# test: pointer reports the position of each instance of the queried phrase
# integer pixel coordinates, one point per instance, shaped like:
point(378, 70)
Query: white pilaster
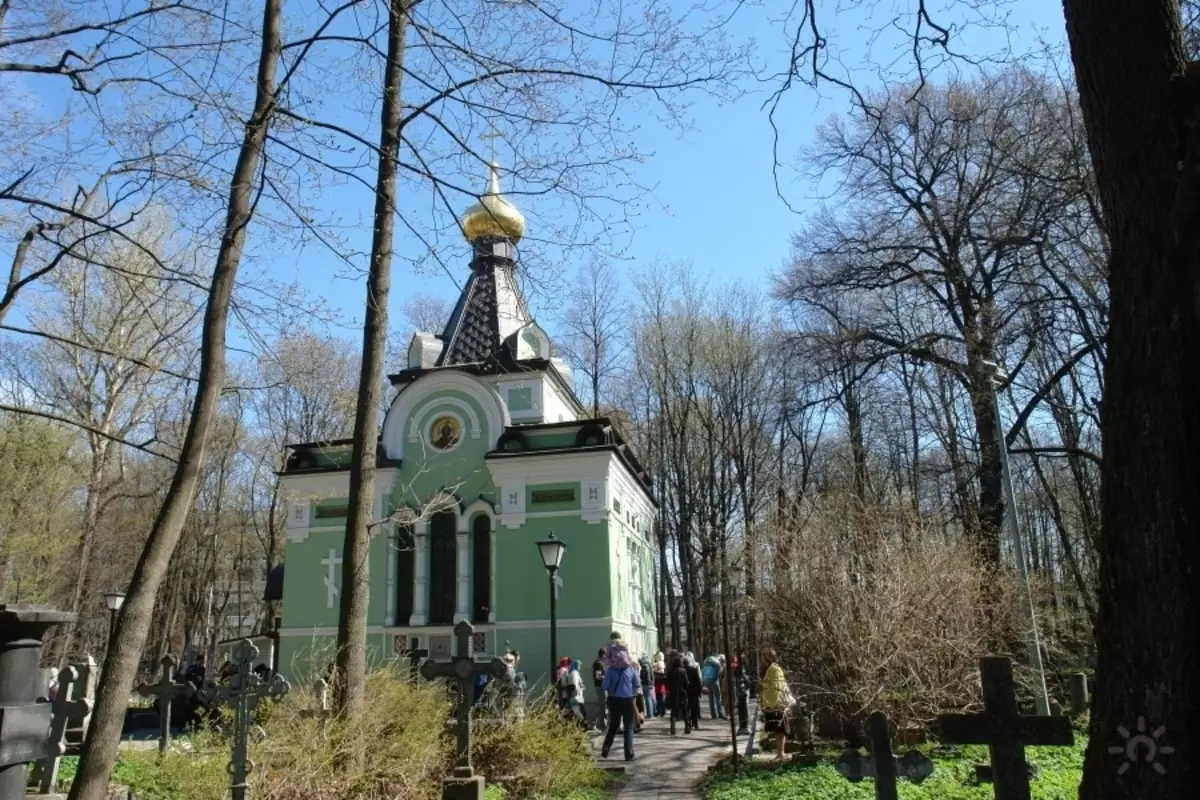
point(420, 592)
point(461, 612)
point(492, 583)
point(390, 606)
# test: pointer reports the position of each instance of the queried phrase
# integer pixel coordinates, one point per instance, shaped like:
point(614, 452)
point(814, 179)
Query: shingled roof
point(473, 332)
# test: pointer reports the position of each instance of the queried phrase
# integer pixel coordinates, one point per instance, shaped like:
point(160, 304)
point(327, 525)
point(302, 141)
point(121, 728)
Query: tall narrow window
point(406, 561)
point(481, 567)
point(443, 576)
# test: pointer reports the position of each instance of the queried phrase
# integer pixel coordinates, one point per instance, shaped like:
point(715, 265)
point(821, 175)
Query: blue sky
point(714, 200)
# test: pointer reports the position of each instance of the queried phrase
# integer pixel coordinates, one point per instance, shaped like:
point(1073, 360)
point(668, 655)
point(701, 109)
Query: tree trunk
point(352, 609)
point(87, 539)
point(1140, 108)
point(133, 624)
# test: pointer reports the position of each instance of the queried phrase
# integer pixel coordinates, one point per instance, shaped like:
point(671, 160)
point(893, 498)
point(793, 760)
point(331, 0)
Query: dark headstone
point(24, 723)
point(461, 672)
point(1003, 730)
point(882, 765)
point(244, 689)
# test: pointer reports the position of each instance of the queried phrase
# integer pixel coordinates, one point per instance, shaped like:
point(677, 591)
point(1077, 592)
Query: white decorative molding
point(463, 543)
point(300, 491)
point(468, 421)
point(421, 538)
point(492, 565)
point(480, 506)
point(385, 482)
point(331, 563)
point(389, 613)
point(413, 396)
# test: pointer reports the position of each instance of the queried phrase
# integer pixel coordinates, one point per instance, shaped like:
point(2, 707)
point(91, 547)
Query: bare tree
point(124, 652)
point(593, 323)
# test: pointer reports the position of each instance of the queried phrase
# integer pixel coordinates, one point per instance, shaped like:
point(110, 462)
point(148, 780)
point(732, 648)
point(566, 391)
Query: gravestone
point(78, 721)
point(322, 709)
point(24, 722)
point(882, 765)
point(1004, 730)
point(460, 672)
point(1077, 685)
point(243, 691)
point(165, 691)
point(66, 704)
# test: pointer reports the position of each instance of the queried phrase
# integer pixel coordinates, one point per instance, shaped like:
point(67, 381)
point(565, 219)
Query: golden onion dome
point(493, 216)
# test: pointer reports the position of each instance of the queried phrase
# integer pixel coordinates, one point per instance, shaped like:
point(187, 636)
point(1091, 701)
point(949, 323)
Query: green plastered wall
point(304, 593)
point(461, 471)
point(522, 585)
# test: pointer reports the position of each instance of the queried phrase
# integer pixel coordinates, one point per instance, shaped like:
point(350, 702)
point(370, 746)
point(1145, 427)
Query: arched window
point(406, 561)
point(443, 578)
point(481, 567)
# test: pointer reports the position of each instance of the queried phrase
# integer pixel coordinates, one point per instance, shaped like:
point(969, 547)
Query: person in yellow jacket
point(775, 700)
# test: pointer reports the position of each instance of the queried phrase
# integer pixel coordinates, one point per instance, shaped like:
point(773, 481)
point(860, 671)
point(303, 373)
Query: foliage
point(1060, 770)
point(192, 769)
point(401, 748)
point(904, 636)
point(541, 754)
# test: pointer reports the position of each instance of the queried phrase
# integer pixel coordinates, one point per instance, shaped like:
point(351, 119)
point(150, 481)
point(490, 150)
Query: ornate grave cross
point(461, 672)
point(882, 765)
point(63, 709)
point(243, 691)
point(1004, 730)
point(166, 690)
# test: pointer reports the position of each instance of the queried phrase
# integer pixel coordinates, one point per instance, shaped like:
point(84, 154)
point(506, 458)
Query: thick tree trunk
point(125, 649)
point(990, 520)
point(352, 609)
point(1140, 109)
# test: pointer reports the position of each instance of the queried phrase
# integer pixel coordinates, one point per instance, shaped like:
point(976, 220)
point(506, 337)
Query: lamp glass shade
point(552, 550)
point(114, 600)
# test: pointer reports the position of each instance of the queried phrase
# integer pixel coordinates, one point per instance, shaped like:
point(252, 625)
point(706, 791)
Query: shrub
point(537, 755)
point(890, 626)
point(401, 748)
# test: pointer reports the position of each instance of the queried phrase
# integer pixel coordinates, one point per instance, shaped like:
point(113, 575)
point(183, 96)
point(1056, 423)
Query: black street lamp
point(114, 601)
point(552, 550)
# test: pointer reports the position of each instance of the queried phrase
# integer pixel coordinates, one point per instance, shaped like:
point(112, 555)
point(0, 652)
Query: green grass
point(1060, 770)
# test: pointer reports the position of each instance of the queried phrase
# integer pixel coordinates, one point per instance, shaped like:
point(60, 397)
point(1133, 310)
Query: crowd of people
point(630, 688)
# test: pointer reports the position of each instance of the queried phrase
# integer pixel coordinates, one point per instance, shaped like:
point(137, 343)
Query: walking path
point(668, 767)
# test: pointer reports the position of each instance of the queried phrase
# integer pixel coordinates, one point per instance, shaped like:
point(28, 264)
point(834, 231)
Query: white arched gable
point(408, 405)
point(480, 506)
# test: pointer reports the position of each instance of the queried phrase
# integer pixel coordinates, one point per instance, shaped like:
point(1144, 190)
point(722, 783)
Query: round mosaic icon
point(445, 432)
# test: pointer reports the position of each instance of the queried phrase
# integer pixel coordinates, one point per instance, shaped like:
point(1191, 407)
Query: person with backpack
point(570, 694)
point(647, 676)
point(712, 685)
point(601, 717)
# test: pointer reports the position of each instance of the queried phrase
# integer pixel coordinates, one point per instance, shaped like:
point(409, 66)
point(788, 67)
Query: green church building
point(485, 450)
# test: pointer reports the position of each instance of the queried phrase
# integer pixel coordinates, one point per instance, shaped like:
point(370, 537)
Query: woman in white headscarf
point(694, 690)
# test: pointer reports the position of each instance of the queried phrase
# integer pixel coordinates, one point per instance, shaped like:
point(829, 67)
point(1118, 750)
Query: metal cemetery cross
point(1004, 730)
point(63, 708)
point(166, 690)
point(243, 691)
point(461, 672)
point(883, 766)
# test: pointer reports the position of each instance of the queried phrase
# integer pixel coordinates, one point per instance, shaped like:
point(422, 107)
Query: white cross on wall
point(331, 565)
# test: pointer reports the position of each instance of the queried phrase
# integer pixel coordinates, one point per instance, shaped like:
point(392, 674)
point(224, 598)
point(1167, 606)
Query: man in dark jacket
point(677, 692)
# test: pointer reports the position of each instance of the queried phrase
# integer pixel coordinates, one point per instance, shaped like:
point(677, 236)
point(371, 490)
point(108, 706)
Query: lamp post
point(114, 601)
point(997, 377)
point(552, 550)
